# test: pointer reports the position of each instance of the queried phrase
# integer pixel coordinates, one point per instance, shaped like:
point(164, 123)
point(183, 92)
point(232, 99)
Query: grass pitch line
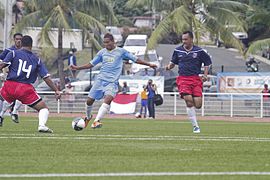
point(133, 174)
point(135, 138)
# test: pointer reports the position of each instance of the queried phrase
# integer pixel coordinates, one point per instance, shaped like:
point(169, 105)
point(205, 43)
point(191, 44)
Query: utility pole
point(8, 22)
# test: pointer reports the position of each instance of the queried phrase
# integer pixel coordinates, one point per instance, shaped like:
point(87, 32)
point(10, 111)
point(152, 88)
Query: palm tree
point(65, 14)
point(214, 16)
point(263, 40)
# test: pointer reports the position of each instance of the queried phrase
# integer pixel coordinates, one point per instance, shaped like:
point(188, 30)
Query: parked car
point(151, 56)
point(83, 80)
point(136, 43)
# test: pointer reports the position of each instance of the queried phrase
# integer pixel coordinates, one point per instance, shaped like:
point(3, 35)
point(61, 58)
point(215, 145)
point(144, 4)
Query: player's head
point(108, 41)
point(187, 38)
point(27, 41)
point(17, 37)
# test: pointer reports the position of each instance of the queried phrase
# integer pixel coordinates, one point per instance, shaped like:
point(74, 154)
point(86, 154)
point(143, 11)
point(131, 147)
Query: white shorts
point(102, 88)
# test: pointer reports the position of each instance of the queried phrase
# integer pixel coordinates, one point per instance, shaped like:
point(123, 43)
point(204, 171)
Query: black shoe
point(1, 121)
point(15, 118)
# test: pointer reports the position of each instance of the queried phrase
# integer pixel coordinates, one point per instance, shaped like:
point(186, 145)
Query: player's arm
point(2, 65)
point(85, 66)
point(50, 83)
point(139, 61)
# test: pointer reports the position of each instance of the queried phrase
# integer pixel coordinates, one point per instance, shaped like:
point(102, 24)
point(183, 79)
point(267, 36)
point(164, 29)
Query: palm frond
point(258, 46)
point(178, 21)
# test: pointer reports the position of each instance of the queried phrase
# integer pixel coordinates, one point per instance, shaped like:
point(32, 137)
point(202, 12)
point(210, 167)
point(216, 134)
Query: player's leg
point(4, 108)
point(109, 91)
point(43, 114)
point(104, 108)
point(88, 110)
point(14, 113)
point(191, 112)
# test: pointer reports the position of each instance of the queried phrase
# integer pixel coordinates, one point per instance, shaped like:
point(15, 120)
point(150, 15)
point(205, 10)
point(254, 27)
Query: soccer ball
point(138, 115)
point(78, 124)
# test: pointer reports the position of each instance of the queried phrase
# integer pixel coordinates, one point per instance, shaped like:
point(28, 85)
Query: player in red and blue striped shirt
point(189, 59)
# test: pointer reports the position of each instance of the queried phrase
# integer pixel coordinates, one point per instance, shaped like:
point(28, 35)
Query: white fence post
point(231, 105)
point(261, 106)
point(175, 98)
point(203, 104)
point(58, 106)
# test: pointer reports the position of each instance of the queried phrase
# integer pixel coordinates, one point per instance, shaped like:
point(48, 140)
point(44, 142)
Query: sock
point(88, 111)
point(104, 108)
point(43, 116)
point(192, 116)
point(5, 107)
point(16, 107)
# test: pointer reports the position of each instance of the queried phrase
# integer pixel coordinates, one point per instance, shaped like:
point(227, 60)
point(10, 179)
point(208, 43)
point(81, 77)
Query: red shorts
point(191, 85)
point(25, 93)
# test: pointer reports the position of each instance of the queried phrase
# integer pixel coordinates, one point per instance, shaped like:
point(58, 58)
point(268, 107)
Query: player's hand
point(57, 95)
point(204, 78)
point(167, 68)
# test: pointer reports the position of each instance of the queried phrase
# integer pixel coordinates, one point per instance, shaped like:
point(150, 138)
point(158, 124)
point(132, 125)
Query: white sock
point(43, 116)
point(5, 107)
point(192, 116)
point(104, 108)
point(88, 111)
point(16, 107)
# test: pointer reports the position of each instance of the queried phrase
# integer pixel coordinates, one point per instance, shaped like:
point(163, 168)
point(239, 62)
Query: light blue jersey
point(112, 63)
point(106, 82)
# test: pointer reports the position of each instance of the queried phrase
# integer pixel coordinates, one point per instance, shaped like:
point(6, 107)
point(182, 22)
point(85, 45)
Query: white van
point(136, 43)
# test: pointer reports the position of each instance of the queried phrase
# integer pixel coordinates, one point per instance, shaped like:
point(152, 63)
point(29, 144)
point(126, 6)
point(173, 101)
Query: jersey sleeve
point(4, 54)
point(42, 70)
point(129, 56)
point(9, 58)
point(174, 58)
point(206, 59)
point(97, 59)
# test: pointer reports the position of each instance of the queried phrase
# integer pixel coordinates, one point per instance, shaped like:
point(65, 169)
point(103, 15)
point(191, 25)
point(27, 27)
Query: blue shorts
point(144, 102)
point(102, 88)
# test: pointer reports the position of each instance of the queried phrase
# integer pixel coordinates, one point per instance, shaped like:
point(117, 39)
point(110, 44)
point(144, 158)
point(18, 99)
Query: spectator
point(72, 61)
point(151, 89)
point(125, 88)
point(266, 99)
point(143, 102)
point(69, 96)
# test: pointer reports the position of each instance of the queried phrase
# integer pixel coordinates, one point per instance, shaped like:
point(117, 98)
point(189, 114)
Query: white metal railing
point(214, 104)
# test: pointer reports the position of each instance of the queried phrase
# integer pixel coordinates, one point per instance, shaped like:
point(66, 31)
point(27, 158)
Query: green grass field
point(136, 149)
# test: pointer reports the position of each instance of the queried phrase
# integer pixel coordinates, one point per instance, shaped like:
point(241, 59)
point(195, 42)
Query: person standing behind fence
point(151, 89)
point(24, 67)
point(189, 59)
point(143, 103)
point(266, 99)
point(125, 88)
point(72, 61)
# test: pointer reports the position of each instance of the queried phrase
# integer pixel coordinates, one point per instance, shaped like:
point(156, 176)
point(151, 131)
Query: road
point(230, 59)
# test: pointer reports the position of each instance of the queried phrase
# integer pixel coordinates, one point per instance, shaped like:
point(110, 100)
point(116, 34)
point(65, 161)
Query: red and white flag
point(124, 104)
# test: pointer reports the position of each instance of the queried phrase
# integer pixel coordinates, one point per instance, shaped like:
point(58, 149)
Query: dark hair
point(109, 36)
point(189, 33)
point(27, 41)
point(17, 34)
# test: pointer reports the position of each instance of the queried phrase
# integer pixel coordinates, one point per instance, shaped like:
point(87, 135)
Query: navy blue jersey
point(190, 62)
point(6, 51)
point(24, 66)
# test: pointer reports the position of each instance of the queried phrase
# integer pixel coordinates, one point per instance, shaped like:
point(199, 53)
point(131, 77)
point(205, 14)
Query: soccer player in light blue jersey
point(106, 84)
